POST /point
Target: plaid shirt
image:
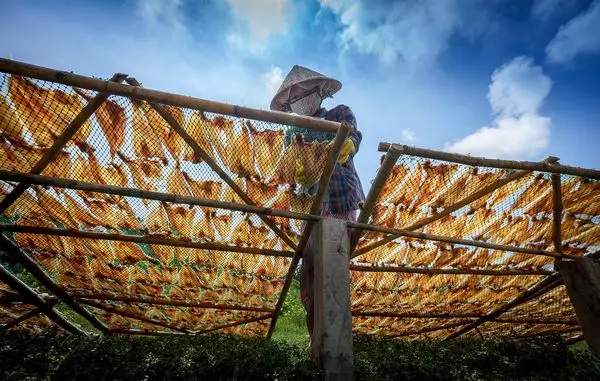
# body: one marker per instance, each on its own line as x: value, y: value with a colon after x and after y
x: 345, y: 190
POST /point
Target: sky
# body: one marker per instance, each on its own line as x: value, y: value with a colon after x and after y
x: 511, y: 79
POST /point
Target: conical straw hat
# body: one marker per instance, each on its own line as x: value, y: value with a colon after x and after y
x: 299, y: 80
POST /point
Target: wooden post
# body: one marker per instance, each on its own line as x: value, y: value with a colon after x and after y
x: 332, y: 346
x: 556, y: 213
x: 60, y: 142
x: 582, y: 280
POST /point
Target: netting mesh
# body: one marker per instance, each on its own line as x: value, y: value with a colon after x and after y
x: 126, y: 143
x: 517, y: 212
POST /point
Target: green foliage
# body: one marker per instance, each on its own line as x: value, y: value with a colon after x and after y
x: 52, y: 356
x: 291, y: 325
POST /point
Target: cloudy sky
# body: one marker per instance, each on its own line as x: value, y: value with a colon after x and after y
x: 498, y: 78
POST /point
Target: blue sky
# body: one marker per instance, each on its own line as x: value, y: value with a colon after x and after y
x: 499, y: 78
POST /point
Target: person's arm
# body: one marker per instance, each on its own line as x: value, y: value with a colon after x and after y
x: 344, y: 113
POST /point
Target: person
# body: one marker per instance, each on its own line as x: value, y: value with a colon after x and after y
x: 302, y: 92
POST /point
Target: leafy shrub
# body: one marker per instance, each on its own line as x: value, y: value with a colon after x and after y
x: 58, y: 356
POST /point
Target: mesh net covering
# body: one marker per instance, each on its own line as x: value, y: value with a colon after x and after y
x: 127, y: 144
x: 13, y: 306
x: 518, y: 214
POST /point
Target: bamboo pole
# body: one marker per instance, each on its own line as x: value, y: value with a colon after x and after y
x: 447, y: 315
x: 60, y: 142
x: 456, y: 206
x: 459, y: 241
x: 433, y: 329
x: 139, y: 332
x: 31, y: 296
x: 547, y: 333
x: 139, y: 93
x: 212, y: 164
x: 167, y: 302
x: 143, y: 239
x: 323, y: 186
x: 575, y: 339
x: 158, y: 196
x: 389, y: 160
x: 556, y: 212
x: 247, y: 321
x: 492, y: 163
x: 130, y: 315
x: 418, y: 270
x: 20, y: 319
x: 523, y: 297
x: 536, y: 321
x: 35, y: 270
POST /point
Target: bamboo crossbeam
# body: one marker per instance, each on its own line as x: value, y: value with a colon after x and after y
x: 143, y: 239
x: 158, y: 196
x: 574, y: 339
x: 46, y: 306
x: 315, y: 209
x: 459, y: 241
x: 521, y: 298
x: 12, y: 298
x: 547, y: 333
x: 456, y: 206
x: 389, y: 160
x: 139, y: 332
x: 556, y: 212
x: 491, y: 163
x: 60, y: 142
x: 448, y: 315
x: 431, y: 329
x: 246, y: 321
x: 536, y: 321
x: 139, y: 93
x: 130, y: 315
x: 212, y: 164
x: 419, y: 270
x: 167, y: 302
x: 20, y: 319
x: 35, y: 270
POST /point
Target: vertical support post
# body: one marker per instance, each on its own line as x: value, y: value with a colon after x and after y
x: 332, y: 346
x: 582, y: 280
x: 556, y: 213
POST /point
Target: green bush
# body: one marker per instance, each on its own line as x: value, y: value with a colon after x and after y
x: 57, y: 356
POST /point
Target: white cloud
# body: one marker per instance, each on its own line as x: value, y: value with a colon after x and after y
x: 414, y: 31
x: 273, y: 79
x: 579, y: 36
x: 162, y: 13
x: 408, y: 135
x: 544, y: 10
x: 264, y: 18
x: 516, y: 94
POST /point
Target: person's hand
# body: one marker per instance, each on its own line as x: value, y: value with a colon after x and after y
x: 346, y: 152
x: 299, y: 174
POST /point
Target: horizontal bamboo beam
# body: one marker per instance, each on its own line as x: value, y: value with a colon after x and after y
x: 448, y: 315
x: 536, y: 321
x: 431, y: 329
x: 575, y: 339
x: 168, y: 302
x: 117, y: 311
x: 521, y: 298
x: 546, y: 333
x: 20, y: 319
x: 492, y: 163
x: 29, y: 294
x: 247, y: 321
x: 142, y: 239
x: 465, y: 242
x: 139, y: 93
x: 323, y: 186
x: 139, y: 193
x: 454, y: 207
x: 60, y: 142
x: 419, y: 270
x: 139, y: 332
